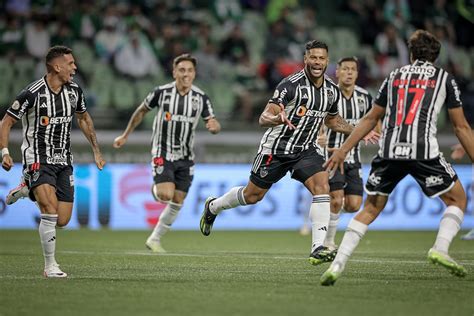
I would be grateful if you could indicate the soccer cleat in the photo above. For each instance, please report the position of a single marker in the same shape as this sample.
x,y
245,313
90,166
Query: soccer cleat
x,y
207,218
446,261
154,245
469,235
331,275
322,254
20,192
53,271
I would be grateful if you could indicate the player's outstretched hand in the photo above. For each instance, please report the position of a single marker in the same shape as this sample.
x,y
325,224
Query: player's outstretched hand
x,y
372,137
335,161
99,161
213,126
284,118
119,141
7,162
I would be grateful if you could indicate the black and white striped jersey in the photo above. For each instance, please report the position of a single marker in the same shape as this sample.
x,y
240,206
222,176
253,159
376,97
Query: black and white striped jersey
x,y
352,110
306,107
47,119
176,120
413,96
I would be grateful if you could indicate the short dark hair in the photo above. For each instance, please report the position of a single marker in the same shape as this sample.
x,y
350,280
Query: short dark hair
x,y
424,46
351,58
316,44
57,51
185,57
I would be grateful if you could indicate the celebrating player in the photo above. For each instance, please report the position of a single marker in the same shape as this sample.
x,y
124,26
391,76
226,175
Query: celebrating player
x,y
179,105
410,100
46,108
293,116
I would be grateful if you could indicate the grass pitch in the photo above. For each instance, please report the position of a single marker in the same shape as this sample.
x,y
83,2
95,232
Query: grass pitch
x,y
229,273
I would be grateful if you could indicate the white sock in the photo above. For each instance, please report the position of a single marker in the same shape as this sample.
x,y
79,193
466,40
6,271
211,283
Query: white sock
x,y
319,216
354,233
233,198
167,218
47,232
332,228
448,228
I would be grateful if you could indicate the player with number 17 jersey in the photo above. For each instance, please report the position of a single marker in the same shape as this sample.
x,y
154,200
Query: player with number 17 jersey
x,y
416,94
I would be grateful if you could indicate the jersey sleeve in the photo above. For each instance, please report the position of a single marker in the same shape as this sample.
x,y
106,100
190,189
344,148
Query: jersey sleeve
x,y
381,98
370,103
81,102
333,109
207,109
284,93
151,100
453,94
23,101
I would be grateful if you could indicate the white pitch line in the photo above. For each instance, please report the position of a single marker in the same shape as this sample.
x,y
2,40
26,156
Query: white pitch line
x,y
242,254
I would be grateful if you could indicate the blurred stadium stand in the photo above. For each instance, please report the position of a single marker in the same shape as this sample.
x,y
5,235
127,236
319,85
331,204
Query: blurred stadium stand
x,y
240,70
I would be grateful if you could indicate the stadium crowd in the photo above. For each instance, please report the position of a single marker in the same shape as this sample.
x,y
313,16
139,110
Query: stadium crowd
x,y
244,48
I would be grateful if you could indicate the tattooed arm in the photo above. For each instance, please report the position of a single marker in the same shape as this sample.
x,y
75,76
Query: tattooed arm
x,y
338,124
87,126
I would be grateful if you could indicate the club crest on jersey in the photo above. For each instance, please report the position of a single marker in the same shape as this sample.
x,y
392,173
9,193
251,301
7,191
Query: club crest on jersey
x,y
330,95
73,100
195,102
361,103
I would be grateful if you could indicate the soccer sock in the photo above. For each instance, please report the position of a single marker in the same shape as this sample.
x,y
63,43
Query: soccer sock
x,y
354,233
233,198
448,228
167,218
47,232
332,228
319,216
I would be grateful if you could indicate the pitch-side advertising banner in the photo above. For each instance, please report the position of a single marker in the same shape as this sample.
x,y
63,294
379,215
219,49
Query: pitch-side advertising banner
x,y
119,197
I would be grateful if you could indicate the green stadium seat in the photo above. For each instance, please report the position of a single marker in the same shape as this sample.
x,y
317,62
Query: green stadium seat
x,y
123,95
85,57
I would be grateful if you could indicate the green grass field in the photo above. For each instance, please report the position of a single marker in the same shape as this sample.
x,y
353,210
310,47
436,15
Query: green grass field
x,y
229,273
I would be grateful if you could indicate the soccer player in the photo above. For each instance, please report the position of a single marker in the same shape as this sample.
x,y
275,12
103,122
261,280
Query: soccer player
x,y
299,106
178,105
410,100
46,108
346,188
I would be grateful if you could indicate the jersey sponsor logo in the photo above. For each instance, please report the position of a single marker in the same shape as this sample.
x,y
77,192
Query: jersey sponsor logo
x,y
16,105
402,150
177,118
433,180
373,179
56,159
304,111
43,106
457,93
425,71
45,120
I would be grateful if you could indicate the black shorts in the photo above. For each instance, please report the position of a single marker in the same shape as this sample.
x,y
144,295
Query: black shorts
x,y
180,172
60,177
269,169
350,181
435,176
